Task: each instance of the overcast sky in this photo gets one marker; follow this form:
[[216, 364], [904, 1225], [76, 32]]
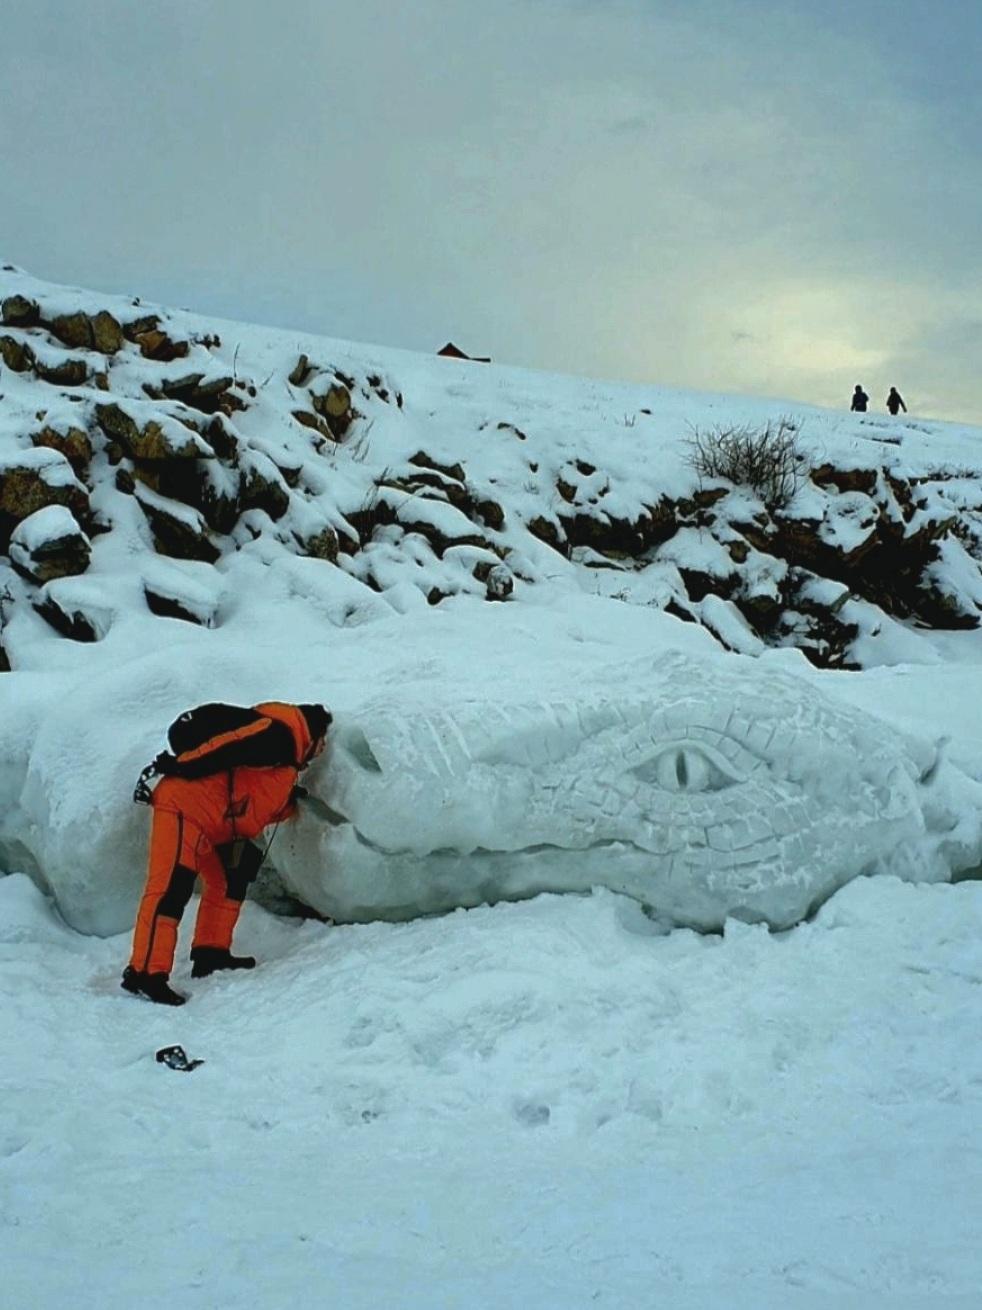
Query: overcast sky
[[781, 198]]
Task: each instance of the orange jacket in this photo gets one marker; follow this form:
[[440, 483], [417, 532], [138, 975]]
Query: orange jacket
[[241, 801]]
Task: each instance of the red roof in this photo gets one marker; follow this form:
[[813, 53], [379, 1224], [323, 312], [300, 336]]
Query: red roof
[[450, 351]]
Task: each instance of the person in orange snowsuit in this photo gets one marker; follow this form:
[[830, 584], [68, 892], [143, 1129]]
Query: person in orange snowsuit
[[204, 815]]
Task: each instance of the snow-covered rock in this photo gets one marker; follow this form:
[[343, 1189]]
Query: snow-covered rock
[[34, 479], [49, 544]]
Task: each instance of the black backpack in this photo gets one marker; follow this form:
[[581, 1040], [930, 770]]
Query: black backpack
[[192, 729], [207, 730]]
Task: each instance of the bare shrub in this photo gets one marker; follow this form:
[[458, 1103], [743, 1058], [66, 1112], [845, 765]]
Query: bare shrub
[[768, 460]]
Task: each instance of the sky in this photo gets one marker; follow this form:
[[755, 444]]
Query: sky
[[770, 198]]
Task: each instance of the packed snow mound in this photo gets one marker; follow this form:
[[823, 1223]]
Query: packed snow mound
[[705, 791], [704, 787]]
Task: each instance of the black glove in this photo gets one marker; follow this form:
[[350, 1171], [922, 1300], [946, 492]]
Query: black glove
[[298, 794]]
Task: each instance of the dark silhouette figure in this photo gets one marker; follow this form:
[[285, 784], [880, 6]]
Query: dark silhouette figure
[[859, 400], [895, 401]]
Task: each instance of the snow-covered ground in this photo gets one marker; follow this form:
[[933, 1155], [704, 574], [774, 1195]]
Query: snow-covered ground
[[557, 1103], [547, 1104]]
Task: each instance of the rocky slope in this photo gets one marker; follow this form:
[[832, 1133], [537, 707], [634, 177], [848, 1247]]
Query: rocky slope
[[155, 444]]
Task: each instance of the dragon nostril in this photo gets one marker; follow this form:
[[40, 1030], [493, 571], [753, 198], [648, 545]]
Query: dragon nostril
[[356, 744]]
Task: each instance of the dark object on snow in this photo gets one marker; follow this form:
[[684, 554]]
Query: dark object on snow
[[154, 986], [895, 401], [859, 400], [175, 1057], [450, 351], [213, 959]]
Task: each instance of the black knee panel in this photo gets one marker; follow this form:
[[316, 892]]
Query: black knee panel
[[237, 884], [239, 875], [178, 893]]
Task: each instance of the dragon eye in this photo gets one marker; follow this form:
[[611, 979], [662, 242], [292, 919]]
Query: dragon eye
[[684, 767]]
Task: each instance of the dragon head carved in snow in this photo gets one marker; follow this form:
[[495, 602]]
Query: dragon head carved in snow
[[703, 790]]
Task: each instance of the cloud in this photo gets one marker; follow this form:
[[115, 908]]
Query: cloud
[[939, 364], [698, 194]]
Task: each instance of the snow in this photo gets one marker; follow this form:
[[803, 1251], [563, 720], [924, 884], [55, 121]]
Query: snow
[[189, 516], [49, 465], [191, 584], [563, 1101], [555, 1103], [724, 619], [45, 527], [694, 549], [850, 524], [705, 791], [483, 753]]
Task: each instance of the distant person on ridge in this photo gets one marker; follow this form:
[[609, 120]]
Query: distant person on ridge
[[859, 400], [230, 772], [895, 401]]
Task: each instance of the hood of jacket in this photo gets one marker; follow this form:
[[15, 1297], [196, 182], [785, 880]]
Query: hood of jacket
[[294, 719]]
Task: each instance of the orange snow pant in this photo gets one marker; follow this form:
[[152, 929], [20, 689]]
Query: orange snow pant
[[180, 852]]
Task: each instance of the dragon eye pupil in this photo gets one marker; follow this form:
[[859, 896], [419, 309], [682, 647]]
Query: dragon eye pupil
[[684, 769]]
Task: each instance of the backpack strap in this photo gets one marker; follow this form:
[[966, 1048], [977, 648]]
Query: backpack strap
[[143, 791], [157, 768], [212, 748]]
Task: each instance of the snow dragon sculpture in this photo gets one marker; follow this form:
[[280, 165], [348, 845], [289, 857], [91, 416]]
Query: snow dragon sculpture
[[702, 790]]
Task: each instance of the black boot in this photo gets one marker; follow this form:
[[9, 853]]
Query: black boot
[[212, 959], [154, 986]]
